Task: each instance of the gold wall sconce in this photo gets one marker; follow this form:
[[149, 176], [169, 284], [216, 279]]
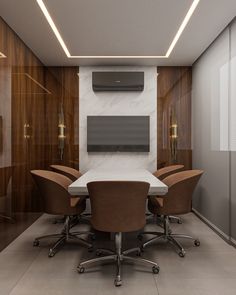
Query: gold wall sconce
[[61, 128], [173, 138], [61, 132], [174, 131], [27, 131]]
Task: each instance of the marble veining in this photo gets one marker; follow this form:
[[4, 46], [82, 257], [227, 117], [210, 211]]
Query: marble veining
[[117, 103]]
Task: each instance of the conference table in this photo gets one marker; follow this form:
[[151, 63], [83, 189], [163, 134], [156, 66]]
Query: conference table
[[79, 187]]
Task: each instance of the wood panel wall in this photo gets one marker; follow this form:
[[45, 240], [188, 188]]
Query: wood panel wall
[[63, 83], [36, 94], [21, 68], [174, 99]]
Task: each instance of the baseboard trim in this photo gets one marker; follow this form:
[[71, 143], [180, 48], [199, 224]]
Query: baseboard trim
[[213, 226]]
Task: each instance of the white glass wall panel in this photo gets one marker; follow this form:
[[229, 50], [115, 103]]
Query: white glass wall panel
[[210, 133]]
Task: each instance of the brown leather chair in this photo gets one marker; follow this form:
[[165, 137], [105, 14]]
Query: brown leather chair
[[5, 176], [73, 174], [57, 201], [163, 173], [118, 207], [167, 171], [177, 201], [69, 172]]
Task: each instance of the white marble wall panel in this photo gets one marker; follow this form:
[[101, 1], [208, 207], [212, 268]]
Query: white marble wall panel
[[117, 103]]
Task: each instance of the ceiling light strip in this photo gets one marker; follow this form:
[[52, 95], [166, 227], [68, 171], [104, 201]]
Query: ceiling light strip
[[118, 56], [170, 49], [182, 26], [53, 26]]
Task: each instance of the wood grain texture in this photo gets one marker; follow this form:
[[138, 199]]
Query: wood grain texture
[[174, 97], [21, 70], [63, 83], [35, 93]]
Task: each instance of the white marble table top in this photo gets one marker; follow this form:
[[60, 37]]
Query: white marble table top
[[79, 187]]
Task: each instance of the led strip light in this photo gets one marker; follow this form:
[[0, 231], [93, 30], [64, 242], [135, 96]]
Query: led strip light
[[170, 49]]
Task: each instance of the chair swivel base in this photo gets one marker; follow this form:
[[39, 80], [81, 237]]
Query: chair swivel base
[[119, 257], [169, 237], [64, 237]]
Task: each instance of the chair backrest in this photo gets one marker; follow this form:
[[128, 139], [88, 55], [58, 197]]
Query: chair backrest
[[181, 186], [118, 206], [69, 172], [53, 189], [5, 175], [166, 171]]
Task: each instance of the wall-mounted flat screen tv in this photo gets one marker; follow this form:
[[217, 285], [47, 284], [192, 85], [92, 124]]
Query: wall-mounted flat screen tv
[[118, 134]]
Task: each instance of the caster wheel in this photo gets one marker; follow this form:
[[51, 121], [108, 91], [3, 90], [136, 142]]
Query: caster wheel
[[51, 254], [181, 254], [156, 269], [179, 221], [140, 237], [80, 269], [90, 249], [118, 283], [36, 243], [138, 253], [197, 243]]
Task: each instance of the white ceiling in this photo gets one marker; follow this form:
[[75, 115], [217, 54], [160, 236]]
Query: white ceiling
[[118, 27]]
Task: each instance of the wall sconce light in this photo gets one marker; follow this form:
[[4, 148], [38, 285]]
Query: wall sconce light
[[27, 131], [173, 138], [61, 132], [174, 131]]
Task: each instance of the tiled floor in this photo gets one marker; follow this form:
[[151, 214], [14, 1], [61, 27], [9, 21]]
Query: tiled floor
[[9, 230], [206, 270]]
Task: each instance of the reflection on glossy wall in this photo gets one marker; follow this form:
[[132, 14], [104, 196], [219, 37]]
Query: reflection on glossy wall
[[214, 133], [174, 116], [32, 99]]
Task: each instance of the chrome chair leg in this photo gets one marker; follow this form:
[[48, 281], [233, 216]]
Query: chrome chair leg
[[153, 240], [119, 258], [81, 241], [174, 242], [55, 248], [169, 237], [132, 250], [36, 241], [141, 260], [65, 236]]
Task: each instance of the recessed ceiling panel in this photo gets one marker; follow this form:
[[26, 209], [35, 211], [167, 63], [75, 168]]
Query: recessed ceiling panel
[[124, 27], [117, 27]]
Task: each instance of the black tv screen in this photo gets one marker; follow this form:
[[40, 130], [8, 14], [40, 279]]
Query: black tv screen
[[118, 133]]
